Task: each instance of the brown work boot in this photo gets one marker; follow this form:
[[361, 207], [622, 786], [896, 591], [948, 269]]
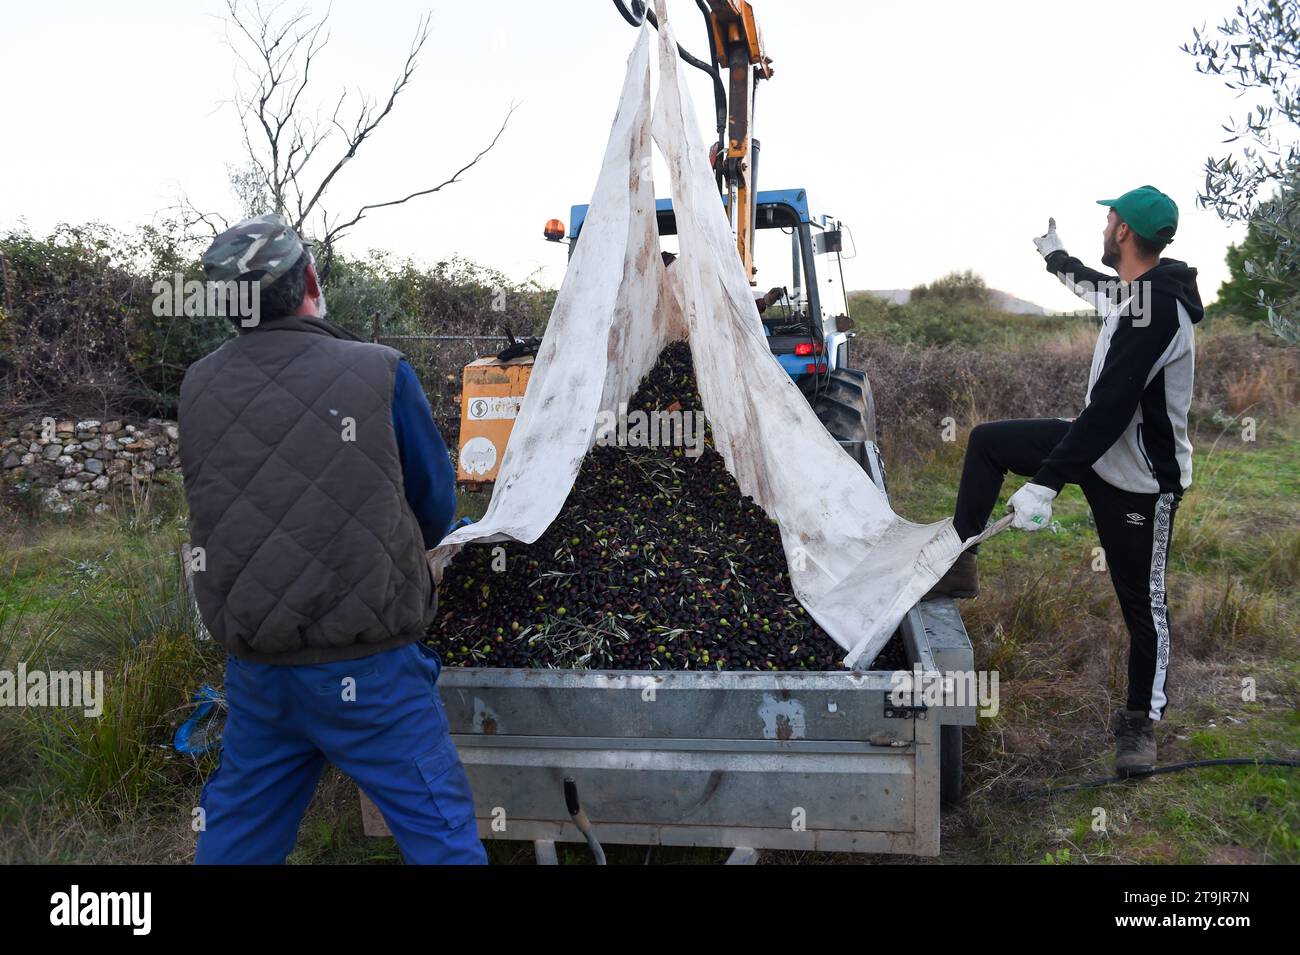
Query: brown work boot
[[960, 581], [1135, 743]]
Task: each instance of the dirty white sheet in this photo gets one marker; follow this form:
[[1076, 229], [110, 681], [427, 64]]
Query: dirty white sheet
[[855, 566]]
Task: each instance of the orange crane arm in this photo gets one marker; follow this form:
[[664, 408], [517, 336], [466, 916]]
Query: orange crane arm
[[738, 48]]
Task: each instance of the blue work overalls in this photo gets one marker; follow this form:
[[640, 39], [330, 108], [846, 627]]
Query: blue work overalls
[[379, 719]]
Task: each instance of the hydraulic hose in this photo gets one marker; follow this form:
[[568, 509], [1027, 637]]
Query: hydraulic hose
[[637, 12]]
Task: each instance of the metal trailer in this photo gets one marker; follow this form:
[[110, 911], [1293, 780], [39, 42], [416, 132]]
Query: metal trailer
[[730, 759], [733, 759]]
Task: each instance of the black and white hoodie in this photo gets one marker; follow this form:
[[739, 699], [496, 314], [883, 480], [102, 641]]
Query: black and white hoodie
[[1132, 431]]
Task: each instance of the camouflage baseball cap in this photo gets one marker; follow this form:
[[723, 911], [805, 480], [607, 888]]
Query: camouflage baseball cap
[[262, 248]]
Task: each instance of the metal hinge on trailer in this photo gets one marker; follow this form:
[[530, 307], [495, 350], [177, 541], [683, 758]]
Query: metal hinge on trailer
[[899, 711]]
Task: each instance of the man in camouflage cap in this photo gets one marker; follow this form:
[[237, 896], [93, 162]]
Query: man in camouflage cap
[[264, 248], [316, 481], [267, 253]]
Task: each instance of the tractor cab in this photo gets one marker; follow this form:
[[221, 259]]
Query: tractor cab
[[799, 287]]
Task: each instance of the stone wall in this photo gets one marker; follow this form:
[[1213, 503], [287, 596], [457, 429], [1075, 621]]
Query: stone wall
[[69, 464]]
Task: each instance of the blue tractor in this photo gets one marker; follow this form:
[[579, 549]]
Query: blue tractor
[[806, 317]]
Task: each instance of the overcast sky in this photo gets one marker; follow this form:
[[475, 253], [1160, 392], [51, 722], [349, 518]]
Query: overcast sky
[[944, 133]]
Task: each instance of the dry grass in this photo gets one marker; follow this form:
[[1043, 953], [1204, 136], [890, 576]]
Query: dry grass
[[1238, 370], [1226, 615], [1061, 657], [1074, 342], [1242, 369], [917, 390]]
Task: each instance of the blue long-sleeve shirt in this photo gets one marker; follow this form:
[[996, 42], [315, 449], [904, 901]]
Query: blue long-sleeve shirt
[[426, 466]]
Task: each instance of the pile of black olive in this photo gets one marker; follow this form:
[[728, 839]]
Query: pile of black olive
[[655, 562]]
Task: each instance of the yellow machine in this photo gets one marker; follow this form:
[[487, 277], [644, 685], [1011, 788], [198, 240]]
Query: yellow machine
[[492, 390]]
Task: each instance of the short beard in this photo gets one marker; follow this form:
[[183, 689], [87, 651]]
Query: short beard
[[1110, 255]]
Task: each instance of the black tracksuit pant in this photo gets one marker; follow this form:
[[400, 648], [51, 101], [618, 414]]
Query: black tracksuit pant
[[1134, 530]]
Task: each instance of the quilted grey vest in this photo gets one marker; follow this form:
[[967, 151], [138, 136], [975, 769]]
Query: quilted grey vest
[[310, 550]]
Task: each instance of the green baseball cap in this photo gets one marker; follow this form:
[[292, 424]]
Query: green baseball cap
[[262, 249], [1147, 211]]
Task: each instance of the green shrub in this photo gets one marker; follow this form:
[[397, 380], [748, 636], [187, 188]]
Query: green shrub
[[80, 333]]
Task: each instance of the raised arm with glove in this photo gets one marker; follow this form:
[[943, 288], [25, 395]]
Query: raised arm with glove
[[1090, 285]]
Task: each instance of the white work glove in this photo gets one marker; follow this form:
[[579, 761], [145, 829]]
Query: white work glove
[[1049, 242], [1033, 507]]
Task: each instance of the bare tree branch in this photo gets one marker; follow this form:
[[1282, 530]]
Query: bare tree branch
[[190, 217], [285, 146], [337, 230], [367, 121]]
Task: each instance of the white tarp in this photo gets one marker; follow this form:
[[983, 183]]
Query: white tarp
[[855, 566]]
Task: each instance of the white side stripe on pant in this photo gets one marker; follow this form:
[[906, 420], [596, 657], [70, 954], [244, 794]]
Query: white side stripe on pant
[[1159, 608]]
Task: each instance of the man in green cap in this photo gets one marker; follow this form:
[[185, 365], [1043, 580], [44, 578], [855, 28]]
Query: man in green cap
[[1128, 449], [316, 481]]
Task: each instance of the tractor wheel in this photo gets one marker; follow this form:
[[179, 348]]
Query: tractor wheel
[[843, 403]]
